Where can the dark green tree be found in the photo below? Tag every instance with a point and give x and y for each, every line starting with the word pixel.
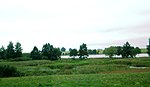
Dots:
pixel 92 51
pixel 73 53
pixel 136 51
pixel 56 54
pixel 46 50
pixel 2 53
pixel 10 52
pixel 119 50
pixel 111 51
pixel 63 49
pixel 127 50
pixel 83 52
pixel 35 54
pixel 148 48
pixel 50 52
pixel 18 50
pixel 89 51
pixel 70 49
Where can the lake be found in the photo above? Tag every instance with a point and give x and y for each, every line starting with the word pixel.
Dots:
pixel 104 56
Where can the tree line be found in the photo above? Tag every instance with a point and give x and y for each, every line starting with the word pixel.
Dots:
pixel 47 52
pixel 148 48
pixel 50 52
pixel 82 53
pixel 125 51
pixel 11 51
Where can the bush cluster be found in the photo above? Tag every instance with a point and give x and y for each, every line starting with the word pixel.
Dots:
pixel 9 71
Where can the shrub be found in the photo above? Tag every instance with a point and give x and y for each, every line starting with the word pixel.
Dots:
pixel 20 59
pixel 44 57
pixel 141 64
pixel 9 71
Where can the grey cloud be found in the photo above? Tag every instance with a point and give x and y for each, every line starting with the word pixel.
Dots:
pixel 142 28
pixel 138 41
pixel 112 30
pixel 145 13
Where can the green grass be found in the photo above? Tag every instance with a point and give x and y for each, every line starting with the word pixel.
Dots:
pixel 82 80
pixel 68 66
pixel 80 73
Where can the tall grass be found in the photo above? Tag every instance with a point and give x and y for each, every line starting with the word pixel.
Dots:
pixel 68 66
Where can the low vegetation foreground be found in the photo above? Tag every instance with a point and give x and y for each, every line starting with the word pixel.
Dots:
pixel 128 72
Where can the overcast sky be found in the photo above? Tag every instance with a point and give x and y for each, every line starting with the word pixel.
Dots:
pixel 69 23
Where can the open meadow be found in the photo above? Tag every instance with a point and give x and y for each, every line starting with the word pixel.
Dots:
pixel 127 72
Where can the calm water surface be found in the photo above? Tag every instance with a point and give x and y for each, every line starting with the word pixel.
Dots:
pixel 104 56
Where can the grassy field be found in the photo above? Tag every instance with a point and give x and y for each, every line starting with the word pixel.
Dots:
pixel 82 80
pixel 80 73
